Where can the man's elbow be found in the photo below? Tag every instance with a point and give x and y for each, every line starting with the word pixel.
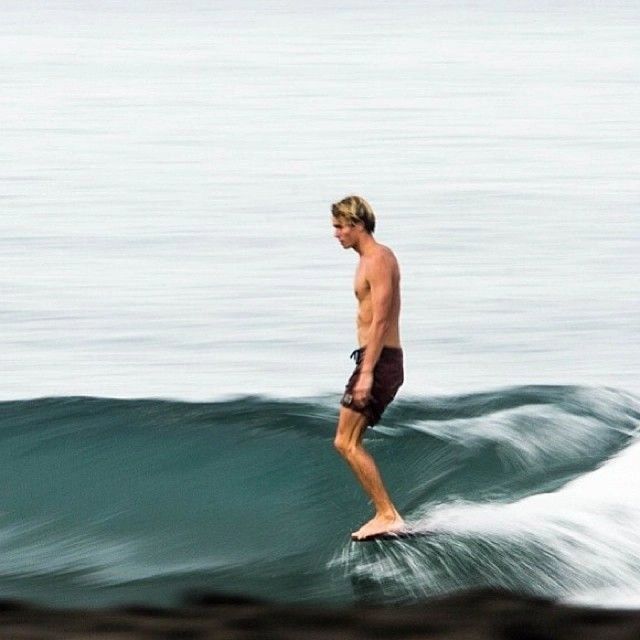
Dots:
pixel 380 324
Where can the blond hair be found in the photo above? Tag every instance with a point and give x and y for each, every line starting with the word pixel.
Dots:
pixel 354 209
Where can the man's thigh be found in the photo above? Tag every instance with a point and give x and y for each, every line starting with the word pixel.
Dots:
pixel 351 426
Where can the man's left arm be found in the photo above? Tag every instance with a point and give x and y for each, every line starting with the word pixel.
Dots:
pixel 381 285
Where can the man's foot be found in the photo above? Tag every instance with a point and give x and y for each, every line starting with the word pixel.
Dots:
pixel 377 525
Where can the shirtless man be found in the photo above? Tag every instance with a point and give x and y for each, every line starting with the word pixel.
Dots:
pixel 379 371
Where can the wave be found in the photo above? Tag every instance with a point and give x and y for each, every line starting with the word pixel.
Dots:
pixel 107 500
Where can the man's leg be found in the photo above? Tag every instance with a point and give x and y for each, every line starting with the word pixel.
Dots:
pixel 348 441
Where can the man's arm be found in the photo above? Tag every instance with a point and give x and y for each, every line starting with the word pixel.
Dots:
pixel 380 278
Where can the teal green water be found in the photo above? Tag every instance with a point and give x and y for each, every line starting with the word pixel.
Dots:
pixel 107 500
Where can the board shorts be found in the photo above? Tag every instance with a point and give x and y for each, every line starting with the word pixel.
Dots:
pixel 388 376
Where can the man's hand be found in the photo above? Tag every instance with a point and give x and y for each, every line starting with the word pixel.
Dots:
pixel 362 388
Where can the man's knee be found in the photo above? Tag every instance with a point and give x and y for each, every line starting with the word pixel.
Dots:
pixel 343 445
pixel 350 428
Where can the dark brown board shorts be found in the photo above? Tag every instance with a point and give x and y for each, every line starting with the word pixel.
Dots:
pixel 388 376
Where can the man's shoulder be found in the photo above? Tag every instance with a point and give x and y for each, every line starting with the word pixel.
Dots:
pixel 382 259
pixel 384 254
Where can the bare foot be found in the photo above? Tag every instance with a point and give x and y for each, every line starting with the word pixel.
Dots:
pixel 377 525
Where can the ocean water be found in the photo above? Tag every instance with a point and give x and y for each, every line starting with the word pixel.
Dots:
pixel 526 488
pixel 176 317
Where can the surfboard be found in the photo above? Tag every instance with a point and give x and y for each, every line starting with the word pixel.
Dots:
pixel 403 534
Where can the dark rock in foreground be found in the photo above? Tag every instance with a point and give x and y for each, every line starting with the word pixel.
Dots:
pixel 475 615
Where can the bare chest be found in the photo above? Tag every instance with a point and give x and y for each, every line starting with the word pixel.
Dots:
pixel 361 285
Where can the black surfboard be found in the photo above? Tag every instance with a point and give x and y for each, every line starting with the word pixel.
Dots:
pixel 403 534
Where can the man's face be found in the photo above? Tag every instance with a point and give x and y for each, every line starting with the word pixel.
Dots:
pixel 345 233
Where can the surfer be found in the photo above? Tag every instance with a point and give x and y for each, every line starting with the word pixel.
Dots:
pixel 379 370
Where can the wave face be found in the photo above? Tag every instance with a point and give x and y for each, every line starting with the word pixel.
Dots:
pixel 529 488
